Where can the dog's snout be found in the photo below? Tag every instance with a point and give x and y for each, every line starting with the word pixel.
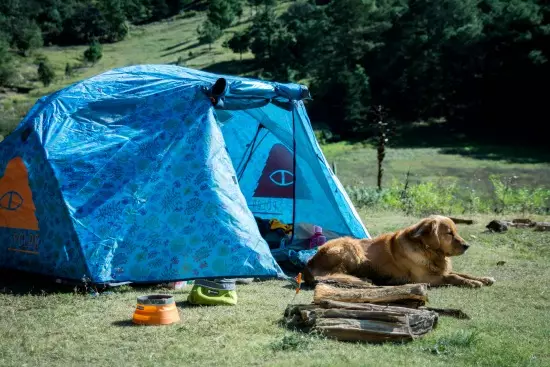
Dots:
pixel 465 246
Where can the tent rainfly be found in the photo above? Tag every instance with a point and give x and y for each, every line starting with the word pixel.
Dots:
pixel 156 173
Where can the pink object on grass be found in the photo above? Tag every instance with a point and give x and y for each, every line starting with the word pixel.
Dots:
pixel 317 239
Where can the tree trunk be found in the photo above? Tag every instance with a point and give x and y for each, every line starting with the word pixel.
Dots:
pixel 410 294
pixel 461 221
pixel 542 227
pixel 361 322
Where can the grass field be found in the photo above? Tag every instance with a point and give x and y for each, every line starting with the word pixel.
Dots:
pixel 470 166
pixel 42 325
pixel 163 42
pixel 509 326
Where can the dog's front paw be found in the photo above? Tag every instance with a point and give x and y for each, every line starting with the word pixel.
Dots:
pixel 487 280
pixel 473 284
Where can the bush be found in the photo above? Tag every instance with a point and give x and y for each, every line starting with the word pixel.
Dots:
pixel 28 38
pixel 68 70
pixel 436 198
pixel 510 198
pixel 6 63
pixel 46 73
pixel 208 33
pixel 189 14
pixel 94 53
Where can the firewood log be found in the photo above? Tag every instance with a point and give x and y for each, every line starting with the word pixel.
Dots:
pixel 403 293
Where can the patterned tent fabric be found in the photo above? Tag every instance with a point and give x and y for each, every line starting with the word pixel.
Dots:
pixel 134 176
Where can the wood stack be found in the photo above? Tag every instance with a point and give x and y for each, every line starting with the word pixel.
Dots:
pixel 503 225
pixel 360 311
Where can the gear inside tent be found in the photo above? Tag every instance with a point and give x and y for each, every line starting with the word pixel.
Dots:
pixel 159 173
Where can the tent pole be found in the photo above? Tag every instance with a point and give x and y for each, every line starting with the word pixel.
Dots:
pixel 249 151
pixel 293 170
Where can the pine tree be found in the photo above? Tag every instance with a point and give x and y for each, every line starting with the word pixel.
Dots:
pixel 159 9
pixel 68 70
pixel 46 73
pixel 221 13
pixel 115 18
pixel 239 43
pixel 94 52
pixel 28 37
pixel 208 33
pixel 6 66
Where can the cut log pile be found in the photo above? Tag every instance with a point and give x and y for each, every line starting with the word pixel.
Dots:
pixel 503 225
pixel 360 311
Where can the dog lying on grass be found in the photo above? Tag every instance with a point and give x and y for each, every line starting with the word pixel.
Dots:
pixel 417 254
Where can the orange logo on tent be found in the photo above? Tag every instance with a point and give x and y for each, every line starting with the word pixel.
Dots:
pixel 16 205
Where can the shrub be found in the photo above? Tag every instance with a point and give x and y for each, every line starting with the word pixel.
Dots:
pixel 510 198
pixel 208 33
pixel 28 37
pixel 428 198
pixel 46 73
pixel 93 53
pixel 68 70
pixel 189 14
pixel 180 61
pixel 6 62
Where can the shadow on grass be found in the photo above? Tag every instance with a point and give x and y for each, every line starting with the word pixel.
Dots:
pixel 453 142
pixel 170 48
pixel 125 323
pixel 23 283
pixel 173 52
pixel 186 304
pixel 20 283
pixel 232 67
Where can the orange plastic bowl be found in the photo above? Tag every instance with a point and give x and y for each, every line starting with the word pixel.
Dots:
pixel 158 309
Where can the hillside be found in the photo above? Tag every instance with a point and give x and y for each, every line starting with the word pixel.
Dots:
pixel 443 157
pixel 167 42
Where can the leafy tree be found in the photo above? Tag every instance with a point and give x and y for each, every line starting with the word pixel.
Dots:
pixel 239 43
pixel 340 43
pixel 208 33
pixel 85 24
pixel 29 36
pixel 6 62
pixel 237 8
pixel 115 19
pixel 262 31
pixel 137 11
pixel 424 37
pixel 94 52
pixel 221 13
pixel 50 19
pixel 264 3
pixel 46 73
pixel 68 70
pixel 159 9
pixel 176 6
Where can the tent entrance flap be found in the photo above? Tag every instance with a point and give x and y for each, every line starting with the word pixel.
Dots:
pixel 264 165
pixel 287 179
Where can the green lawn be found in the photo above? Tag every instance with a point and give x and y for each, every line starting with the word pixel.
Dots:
pixel 41 325
pixel 509 322
pixel 470 165
pixel 162 42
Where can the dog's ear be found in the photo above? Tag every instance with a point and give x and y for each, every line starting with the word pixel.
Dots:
pixel 427 231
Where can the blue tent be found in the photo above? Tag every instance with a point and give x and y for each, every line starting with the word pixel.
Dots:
pixel 156 173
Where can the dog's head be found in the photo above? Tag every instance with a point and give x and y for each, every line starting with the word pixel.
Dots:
pixel 439 233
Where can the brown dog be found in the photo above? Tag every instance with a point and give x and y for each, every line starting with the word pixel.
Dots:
pixel 417 254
